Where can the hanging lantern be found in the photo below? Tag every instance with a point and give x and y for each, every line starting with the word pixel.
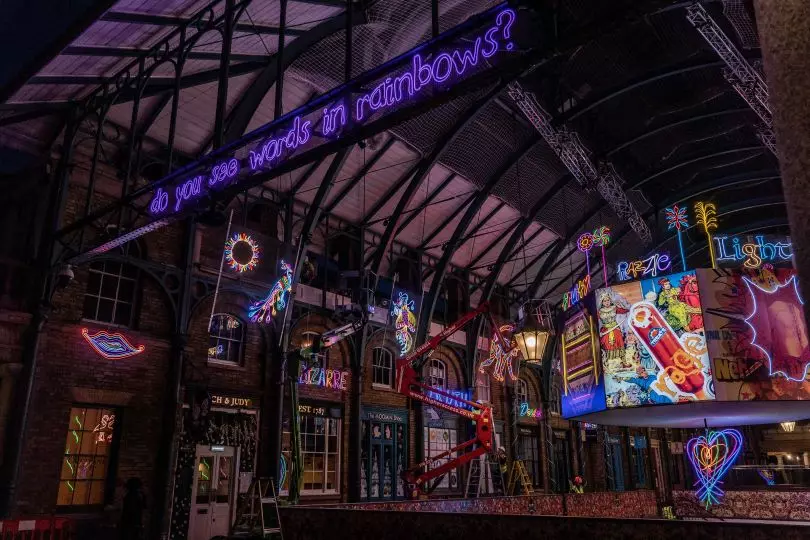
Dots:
pixel 536 330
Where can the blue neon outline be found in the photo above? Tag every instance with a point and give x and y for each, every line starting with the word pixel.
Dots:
pixel 709 491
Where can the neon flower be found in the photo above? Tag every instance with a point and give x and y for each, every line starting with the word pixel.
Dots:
pixel 676 219
pixel 711 456
pixel 276 300
pixel 783 333
pixel 112 346
pixel 242 252
pixel 585 244
pixel 404 322
pixel 601 238
pixel 502 359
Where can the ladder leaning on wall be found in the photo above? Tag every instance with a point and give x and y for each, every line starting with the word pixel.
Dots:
pixel 259 512
pixel 519 474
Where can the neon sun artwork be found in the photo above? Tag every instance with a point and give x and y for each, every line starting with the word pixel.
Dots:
pixel 422 76
pixel 112 346
pixel 264 310
pixel 404 322
pixel 787 295
pixel 711 456
pixel 501 359
pixel 237 255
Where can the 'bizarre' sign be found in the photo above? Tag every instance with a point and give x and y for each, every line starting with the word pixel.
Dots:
pixel 649 267
pixel 326 378
pixel 414 76
pixel 731 251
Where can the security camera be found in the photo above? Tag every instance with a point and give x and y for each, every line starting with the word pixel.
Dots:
pixel 64 276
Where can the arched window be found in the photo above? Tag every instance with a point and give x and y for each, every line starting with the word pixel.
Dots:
pixel 112 289
pixel 554 403
pixel 521 391
pixel 318 360
pixel 437 373
pixel 226 338
pixel 483 388
pixel 383 367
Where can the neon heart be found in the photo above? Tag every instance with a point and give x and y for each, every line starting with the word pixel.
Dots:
pixel 711 456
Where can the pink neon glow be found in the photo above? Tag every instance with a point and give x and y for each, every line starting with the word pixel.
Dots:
pixel 711 456
pixel 112 346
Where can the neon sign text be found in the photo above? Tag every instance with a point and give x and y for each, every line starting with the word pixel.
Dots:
pixel 418 75
pixel 326 378
pixel 528 412
pixel 751 254
pixel 112 346
pixel 651 266
pixel 460 394
pixel 579 291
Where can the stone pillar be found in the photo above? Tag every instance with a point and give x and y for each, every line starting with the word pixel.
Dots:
pixel 784 31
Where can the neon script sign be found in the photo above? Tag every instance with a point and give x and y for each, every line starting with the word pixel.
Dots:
pixel 112 346
pixel 651 266
pixel 422 76
pixel 711 456
pixel 579 291
pixel 752 254
pixel 325 378
pixel 451 401
pixel 528 412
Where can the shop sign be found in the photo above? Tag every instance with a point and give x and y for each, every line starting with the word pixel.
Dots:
pixel 579 291
pixel 459 394
pixel 526 431
pixel 319 409
pixel 528 412
pixel 335 379
pixel 219 400
pixel 386 416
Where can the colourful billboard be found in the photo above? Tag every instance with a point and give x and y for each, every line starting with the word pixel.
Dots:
pixel 756 334
pixel 583 388
pixel 652 344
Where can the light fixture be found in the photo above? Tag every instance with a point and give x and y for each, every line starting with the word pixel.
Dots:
pixel 788 427
pixel 536 329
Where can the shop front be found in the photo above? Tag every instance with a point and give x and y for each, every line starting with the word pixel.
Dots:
pixel 384 453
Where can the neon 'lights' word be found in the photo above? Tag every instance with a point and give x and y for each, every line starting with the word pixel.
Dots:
pixel 752 255
pixel 711 456
pixel 404 322
pixel 325 378
pixel 276 300
pixel 528 412
pixel 421 76
pixel 579 291
pixel 242 252
pixel 500 356
pixel 651 266
pixel 460 394
pixel 786 298
pixel 112 346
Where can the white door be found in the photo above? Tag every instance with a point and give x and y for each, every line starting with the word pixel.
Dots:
pixel 212 494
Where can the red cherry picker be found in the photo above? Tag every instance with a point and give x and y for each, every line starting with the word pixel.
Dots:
pixel 408 383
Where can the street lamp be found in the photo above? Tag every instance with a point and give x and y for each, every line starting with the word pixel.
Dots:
pixel 535 332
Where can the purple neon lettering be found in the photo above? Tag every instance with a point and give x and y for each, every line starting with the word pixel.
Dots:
pixel 467 58
pixel 159 202
pixel 437 65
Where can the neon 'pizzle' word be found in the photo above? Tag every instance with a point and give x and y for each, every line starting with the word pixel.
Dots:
pixel 112 346
pixel 651 266
pixel 711 456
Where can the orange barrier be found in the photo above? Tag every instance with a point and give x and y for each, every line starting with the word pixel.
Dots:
pixel 38 528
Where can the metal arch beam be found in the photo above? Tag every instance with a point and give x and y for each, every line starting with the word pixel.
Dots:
pixel 423 167
pixel 238 119
pixel 719 184
pixel 429 302
pixel 489 247
pixel 390 192
pixel 758 148
pixel 154 19
pixel 427 202
pixel 537 259
pixel 451 217
pixel 673 125
pixel 647 78
pixel 477 227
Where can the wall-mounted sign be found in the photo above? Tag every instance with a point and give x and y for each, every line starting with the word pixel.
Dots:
pixel 733 251
pixel 657 263
pixel 111 346
pixel 324 409
pixel 528 412
pixel 400 417
pixel 459 394
pixel 326 378
pixel 579 291
pixel 238 402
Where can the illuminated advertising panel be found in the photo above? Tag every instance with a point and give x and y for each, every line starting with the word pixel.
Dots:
pixel 583 388
pixel 652 344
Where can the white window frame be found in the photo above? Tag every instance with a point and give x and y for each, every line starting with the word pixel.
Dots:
pixel 100 268
pixel 440 365
pixel 324 454
pixel 240 342
pixel 483 388
pixel 377 355
pixel 521 392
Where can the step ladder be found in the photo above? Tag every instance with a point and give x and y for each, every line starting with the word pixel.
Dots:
pixel 519 474
pixel 484 472
pixel 259 513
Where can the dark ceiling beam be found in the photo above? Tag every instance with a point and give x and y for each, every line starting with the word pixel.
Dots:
pixel 456 240
pixel 169 20
pixel 539 257
pixel 151 116
pixel 648 78
pixel 389 193
pixel 248 103
pixel 638 183
pixel 304 177
pixel 133 52
pixel 489 247
pixel 719 184
pixel 481 222
pixel 450 218
pixel 425 204
pixel 663 129
pixel 364 170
